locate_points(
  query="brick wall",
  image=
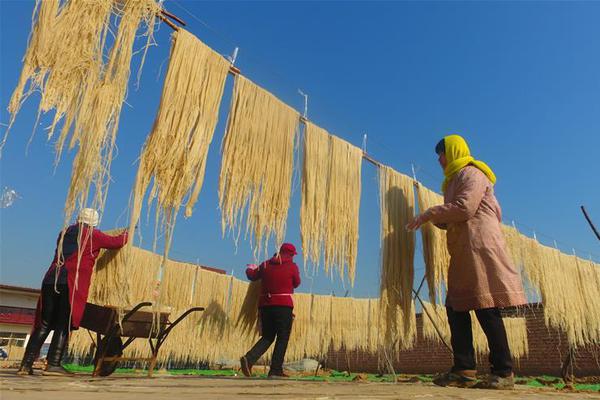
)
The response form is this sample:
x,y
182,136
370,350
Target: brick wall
x,y
547,349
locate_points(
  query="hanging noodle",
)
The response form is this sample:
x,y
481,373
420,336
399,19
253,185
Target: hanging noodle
x,y
175,152
257,165
568,287
397,272
315,184
435,250
343,204
302,329
64,57
36,62
65,62
225,330
331,186
319,340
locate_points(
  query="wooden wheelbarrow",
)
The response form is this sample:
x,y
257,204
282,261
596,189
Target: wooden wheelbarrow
x,y
135,324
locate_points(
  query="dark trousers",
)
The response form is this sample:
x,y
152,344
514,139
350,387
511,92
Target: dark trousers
x,y
54,316
462,340
276,323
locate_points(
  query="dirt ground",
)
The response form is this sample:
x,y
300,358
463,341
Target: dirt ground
x,y
182,387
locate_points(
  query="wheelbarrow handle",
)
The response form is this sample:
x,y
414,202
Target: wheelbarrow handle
x,y
115,328
164,334
136,309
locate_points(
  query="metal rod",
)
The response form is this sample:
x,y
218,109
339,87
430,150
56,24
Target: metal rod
x,y
372,160
432,322
420,286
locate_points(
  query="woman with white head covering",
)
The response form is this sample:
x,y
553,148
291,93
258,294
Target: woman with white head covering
x,y
65,289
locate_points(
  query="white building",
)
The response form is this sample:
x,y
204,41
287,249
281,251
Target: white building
x,y
17,312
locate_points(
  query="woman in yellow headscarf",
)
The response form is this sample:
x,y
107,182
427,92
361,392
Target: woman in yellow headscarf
x,y
481,276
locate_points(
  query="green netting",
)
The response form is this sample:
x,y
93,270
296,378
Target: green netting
x,y
338,376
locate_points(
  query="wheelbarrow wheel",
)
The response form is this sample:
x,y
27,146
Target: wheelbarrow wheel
x,y
113,349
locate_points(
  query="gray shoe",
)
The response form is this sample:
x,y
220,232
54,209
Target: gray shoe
x,y
461,379
23,371
277,375
246,366
498,383
56,370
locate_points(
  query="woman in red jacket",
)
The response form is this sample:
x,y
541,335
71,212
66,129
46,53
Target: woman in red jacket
x,y
65,289
279,277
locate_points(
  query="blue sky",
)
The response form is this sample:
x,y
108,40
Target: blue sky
x,y
520,80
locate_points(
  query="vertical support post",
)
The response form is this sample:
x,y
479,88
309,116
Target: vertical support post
x,y
233,57
305,114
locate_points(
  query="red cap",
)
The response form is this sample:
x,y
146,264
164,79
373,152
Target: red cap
x,y
288,248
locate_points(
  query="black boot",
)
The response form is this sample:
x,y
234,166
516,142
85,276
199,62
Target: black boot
x,y
28,358
36,340
26,367
55,354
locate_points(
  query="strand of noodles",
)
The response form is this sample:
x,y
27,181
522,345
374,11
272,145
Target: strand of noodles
x,y
260,128
177,284
207,337
516,332
97,118
64,57
435,250
37,60
565,283
317,344
343,204
589,276
107,276
350,328
175,152
239,340
515,245
524,253
568,290
204,336
315,184
215,334
374,336
331,187
65,62
247,319
174,155
397,248
199,336
301,327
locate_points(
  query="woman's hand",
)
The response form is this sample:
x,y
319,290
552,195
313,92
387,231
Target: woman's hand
x,y
252,266
417,222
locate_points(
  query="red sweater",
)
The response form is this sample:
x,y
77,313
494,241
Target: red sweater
x,y
279,277
92,240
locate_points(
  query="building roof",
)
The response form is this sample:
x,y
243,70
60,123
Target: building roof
x,y
21,289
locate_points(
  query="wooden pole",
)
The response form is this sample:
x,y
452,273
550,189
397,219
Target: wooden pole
x,y
587,217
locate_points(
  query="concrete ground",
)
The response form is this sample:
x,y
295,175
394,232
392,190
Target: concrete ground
x,y
82,387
